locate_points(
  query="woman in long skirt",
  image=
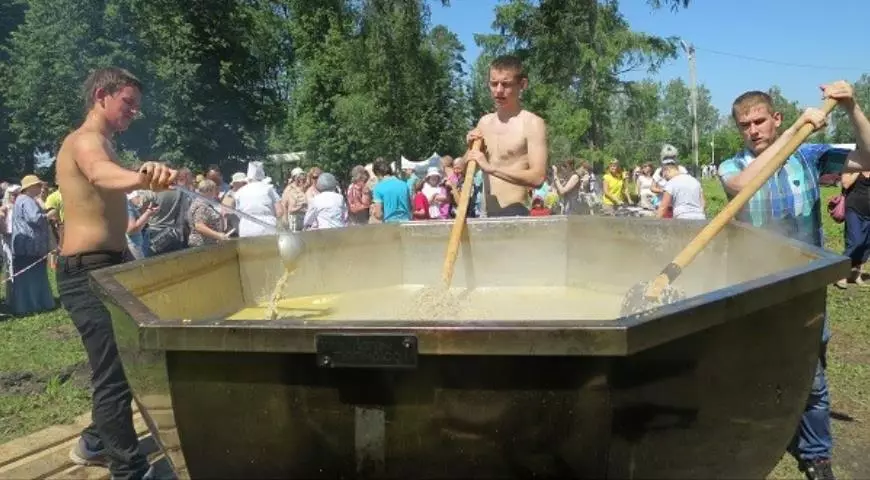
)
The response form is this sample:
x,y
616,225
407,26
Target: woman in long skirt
x,y
30,245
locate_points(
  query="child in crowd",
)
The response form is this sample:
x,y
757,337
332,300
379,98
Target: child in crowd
x,y
538,208
421,203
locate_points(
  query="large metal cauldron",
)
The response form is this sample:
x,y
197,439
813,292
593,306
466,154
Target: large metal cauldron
x,y
711,387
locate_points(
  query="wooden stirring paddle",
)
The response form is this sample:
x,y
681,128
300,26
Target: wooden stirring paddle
x,y
459,221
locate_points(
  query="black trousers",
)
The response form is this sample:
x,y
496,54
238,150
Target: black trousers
x,y
111,430
512,210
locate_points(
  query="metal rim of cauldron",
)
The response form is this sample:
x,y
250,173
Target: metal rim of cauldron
x,y
443,337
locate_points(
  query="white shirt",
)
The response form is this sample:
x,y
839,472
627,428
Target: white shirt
x,y
431,192
685,193
326,210
258,200
644,185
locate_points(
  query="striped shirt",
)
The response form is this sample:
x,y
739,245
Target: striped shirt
x,y
789,202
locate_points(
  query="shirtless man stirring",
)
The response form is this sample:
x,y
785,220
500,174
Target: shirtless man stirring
x,y
515,143
94,189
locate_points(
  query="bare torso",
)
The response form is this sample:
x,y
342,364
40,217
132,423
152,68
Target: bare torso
x,y
95,219
507,148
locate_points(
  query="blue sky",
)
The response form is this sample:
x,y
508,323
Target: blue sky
x,y
831,40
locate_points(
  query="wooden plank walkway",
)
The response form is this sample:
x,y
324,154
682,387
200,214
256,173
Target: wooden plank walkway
x,y
45,454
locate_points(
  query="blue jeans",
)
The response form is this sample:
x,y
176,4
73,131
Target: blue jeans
x,y
813,440
857,237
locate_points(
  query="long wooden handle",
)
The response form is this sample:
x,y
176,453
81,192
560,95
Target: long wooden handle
x,y
709,232
459,221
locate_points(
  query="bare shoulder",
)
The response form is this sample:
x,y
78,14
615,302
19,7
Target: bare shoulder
x,y
485,120
533,120
83,144
90,147
88,141
531,117
534,127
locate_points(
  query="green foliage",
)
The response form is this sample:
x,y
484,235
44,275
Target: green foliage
x,y
211,73
215,67
790,109
11,16
375,80
728,140
346,80
48,50
841,127
672,4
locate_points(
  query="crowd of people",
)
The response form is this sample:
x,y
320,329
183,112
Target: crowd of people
x,y
376,193
108,212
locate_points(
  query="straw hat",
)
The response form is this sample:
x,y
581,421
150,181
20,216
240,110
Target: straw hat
x,y
29,181
239,177
669,152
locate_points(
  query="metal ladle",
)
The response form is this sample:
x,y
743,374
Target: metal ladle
x,y
290,245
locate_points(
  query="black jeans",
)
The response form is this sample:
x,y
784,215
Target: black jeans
x,y
111,430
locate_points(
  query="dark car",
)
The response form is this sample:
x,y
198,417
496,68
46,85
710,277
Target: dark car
x,y
830,180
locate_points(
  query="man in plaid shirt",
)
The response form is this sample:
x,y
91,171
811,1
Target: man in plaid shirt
x,y
789,203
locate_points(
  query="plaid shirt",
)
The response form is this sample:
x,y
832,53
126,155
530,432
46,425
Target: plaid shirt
x,y
789,202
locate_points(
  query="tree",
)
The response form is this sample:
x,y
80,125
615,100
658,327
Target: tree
x,y
214,67
448,114
729,140
480,100
372,79
637,133
677,118
11,17
212,73
49,57
790,109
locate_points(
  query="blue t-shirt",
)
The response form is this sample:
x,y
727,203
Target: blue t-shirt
x,y
412,181
395,198
140,238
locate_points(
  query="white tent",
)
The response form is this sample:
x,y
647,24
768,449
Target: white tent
x,y
845,146
431,161
292,157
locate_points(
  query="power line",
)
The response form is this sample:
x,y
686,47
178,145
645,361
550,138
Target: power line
x,y
776,62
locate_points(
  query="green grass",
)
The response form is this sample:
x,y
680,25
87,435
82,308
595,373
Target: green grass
x,y
47,344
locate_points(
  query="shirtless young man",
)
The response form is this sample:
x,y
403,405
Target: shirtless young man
x,y
515,143
94,189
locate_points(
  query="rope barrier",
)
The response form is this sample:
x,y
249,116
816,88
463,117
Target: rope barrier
x,y
19,272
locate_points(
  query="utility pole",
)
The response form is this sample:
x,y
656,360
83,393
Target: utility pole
x,y
693,89
713,149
